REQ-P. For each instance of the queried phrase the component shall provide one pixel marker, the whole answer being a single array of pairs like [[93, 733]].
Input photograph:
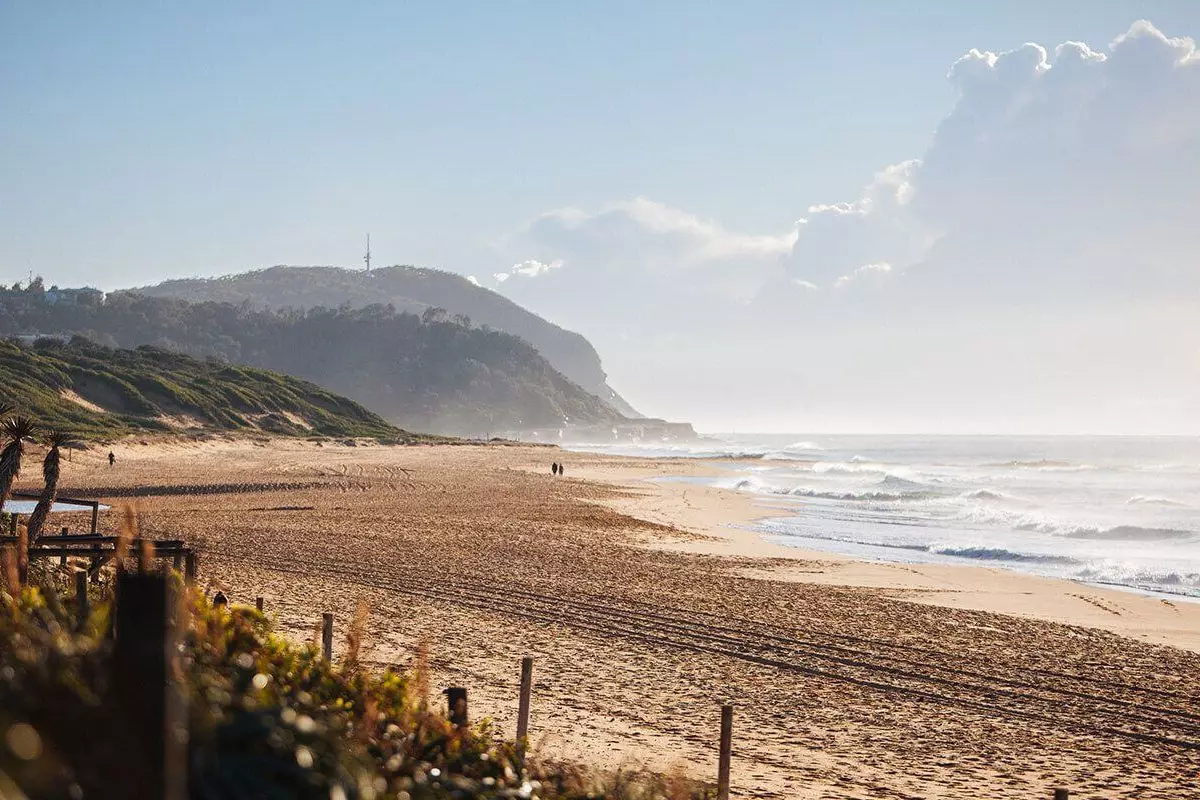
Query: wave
[[852, 467], [1000, 554], [896, 483], [890, 488], [866, 494], [972, 552], [1174, 582], [1050, 465], [1152, 500], [991, 495], [804, 446], [1130, 533]]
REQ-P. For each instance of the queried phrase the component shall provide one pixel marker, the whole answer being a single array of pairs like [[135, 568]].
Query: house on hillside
[[85, 296]]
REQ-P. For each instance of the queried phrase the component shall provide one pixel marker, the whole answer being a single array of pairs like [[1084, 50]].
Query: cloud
[[867, 272], [625, 260], [1045, 237], [530, 268], [654, 235], [1074, 170]]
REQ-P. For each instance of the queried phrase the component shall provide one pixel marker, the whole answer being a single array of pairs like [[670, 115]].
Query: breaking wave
[[1152, 500]]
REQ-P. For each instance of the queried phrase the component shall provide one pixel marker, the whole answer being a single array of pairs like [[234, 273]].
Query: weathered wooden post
[[726, 752], [523, 704], [178, 562], [258, 603], [23, 556], [327, 635], [82, 610], [190, 568], [456, 700], [62, 560], [1061, 794], [145, 691], [95, 516]]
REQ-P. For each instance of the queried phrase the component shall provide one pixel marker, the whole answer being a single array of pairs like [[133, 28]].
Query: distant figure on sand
[[562, 468], [554, 468], [112, 459], [219, 599]]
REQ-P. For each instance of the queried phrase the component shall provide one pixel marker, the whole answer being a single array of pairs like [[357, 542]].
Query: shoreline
[[724, 518]]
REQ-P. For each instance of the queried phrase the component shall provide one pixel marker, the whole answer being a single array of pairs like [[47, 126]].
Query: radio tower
[[367, 257]]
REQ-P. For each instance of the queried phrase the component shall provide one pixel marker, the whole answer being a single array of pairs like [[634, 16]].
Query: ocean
[[1117, 511]]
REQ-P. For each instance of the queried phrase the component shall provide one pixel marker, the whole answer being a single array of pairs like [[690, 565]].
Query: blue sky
[[773, 216], [142, 141]]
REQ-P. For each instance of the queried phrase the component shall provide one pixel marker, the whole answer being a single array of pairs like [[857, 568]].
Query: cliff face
[[411, 289]]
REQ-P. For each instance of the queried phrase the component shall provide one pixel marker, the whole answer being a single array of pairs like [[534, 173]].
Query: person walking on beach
[[112, 459], [554, 468], [561, 469]]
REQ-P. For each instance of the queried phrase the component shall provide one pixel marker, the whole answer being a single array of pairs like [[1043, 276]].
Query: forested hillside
[[90, 390], [430, 375], [411, 289]]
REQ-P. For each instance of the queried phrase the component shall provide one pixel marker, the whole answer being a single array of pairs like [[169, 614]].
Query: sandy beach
[[646, 604]]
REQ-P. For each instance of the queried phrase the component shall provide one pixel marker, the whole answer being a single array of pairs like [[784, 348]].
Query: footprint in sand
[[1099, 603]]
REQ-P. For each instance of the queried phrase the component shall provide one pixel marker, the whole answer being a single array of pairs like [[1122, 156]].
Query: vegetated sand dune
[[645, 611]]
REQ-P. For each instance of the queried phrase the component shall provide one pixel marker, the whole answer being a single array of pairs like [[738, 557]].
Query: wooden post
[[1061, 794], [726, 752], [258, 603], [327, 635], [145, 693], [523, 705], [82, 611], [190, 568], [62, 560], [23, 556], [456, 700], [178, 563], [95, 516]]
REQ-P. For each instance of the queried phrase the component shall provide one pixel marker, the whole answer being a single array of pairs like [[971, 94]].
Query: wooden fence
[[143, 681]]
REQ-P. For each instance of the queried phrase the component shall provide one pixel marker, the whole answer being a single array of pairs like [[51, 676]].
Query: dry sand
[[646, 608]]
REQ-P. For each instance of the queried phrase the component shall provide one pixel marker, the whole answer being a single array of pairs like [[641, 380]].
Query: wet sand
[[645, 609]]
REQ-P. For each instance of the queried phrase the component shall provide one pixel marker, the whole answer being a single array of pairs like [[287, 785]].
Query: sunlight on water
[[1115, 510]]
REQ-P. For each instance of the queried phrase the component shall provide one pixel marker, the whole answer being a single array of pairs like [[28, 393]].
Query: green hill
[[407, 289], [100, 392], [424, 373]]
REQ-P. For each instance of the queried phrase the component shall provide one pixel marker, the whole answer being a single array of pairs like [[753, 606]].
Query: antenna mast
[[367, 257]]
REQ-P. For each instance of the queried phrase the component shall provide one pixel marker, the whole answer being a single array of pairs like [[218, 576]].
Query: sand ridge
[[645, 609]]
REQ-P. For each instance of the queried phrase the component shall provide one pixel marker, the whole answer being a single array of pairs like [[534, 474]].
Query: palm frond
[[57, 439], [19, 429]]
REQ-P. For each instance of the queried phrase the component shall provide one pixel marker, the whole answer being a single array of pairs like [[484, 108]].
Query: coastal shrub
[[267, 718]]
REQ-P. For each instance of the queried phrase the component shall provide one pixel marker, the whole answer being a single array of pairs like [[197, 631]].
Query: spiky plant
[[17, 431], [50, 472]]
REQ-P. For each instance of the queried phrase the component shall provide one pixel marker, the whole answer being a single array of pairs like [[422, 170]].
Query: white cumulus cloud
[[1050, 217], [1074, 171]]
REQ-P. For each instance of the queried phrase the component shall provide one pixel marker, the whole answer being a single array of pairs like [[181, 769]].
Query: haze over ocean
[[1111, 510]]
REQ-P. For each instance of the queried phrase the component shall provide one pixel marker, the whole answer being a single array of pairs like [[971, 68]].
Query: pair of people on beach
[[557, 469]]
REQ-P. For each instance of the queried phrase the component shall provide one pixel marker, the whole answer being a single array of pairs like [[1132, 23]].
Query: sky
[[862, 216]]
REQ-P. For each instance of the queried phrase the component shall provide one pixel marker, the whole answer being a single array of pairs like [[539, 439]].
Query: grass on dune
[[267, 718], [103, 393]]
